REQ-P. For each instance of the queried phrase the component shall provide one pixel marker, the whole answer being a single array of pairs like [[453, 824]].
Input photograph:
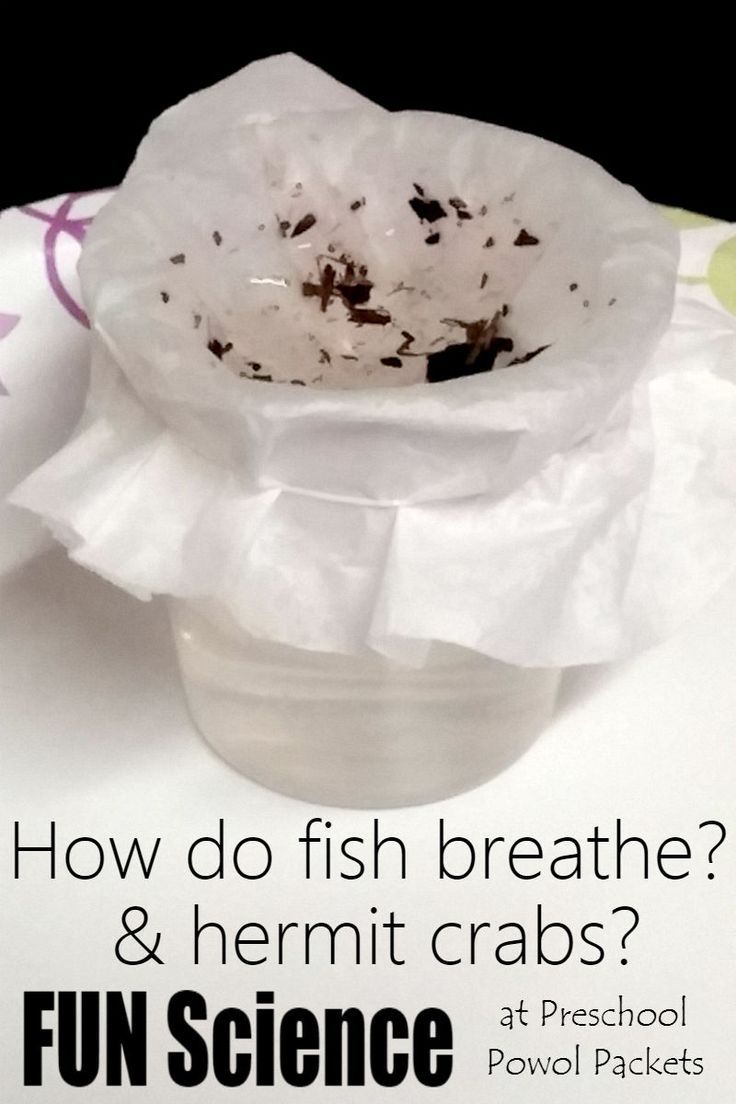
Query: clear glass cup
[[356, 731]]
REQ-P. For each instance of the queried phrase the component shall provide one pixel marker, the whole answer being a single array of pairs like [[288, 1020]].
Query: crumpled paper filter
[[572, 509]]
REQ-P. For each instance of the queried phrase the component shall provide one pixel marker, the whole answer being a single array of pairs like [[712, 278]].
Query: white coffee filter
[[565, 509]]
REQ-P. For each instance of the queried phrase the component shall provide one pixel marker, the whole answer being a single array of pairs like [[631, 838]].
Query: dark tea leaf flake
[[304, 224], [525, 238]]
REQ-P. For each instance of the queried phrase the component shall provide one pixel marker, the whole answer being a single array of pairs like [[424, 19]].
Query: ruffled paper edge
[[126, 492]]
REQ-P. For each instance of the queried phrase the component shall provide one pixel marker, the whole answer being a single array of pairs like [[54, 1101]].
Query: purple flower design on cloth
[[8, 322], [61, 222]]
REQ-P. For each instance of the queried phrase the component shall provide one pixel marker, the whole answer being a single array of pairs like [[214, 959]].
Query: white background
[[94, 734]]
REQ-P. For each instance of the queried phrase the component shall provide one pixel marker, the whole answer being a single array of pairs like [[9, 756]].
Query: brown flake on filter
[[351, 285], [217, 237], [574, 287], [254, 372], [165, 296], [528, 356], [324, 289], [354, 287], [284, 226], [324, 357], [426, 210], [401, 286], [178, 258], [197, 321], [482, 334], [357, 204], [409, 339], [525, 238], [367, 316], [476, 354], [391, 361], [488, 243], [218, 348], [460, 207], [455, 361], [433, 238], [483, 280], [304, 224]]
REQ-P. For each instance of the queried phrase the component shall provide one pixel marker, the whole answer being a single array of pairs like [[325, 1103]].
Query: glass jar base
[[357, 731]]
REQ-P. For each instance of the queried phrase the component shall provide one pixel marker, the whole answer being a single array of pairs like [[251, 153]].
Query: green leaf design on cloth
[[722, 274], [687, 220]]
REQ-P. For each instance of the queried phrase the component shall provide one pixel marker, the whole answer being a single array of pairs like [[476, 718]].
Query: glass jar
[[360, 731]]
